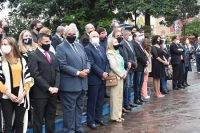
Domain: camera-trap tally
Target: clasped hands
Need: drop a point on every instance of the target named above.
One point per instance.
(84, 73)
(14, 98)
(53, 90)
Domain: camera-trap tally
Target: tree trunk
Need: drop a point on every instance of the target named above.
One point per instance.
(147, 19)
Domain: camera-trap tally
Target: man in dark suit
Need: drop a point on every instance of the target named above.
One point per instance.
(142, 62)
(131, 65)
(85, 37)
(96, 80)
(74, 68)
(45, 71)
(176, 58)
(57, 38)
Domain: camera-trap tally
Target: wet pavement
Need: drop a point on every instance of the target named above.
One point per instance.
(177, 112)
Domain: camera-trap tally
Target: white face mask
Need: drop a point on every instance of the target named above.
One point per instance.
(130, 38)
(177, 41)
(187, 41)
(6, 49)
(140, 38)
(95, 40)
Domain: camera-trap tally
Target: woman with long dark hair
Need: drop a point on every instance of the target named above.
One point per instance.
(158, 62)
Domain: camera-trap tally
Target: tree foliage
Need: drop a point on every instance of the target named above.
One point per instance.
(191, 28)
(99, 12)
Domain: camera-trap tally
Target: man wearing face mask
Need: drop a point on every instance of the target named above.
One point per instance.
(142, 62)
(176, 58)
(74, 68)
(130, 66)
(35, 26)
(96, 80)
(57, 38)
(85, 40)
(45, 71)
(102, 36)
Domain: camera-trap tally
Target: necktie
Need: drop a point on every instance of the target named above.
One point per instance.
(75, 49)
(47, 56)
(99, 51)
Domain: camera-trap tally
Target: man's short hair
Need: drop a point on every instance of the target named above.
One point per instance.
(173, 38)
(34, 23)
(41, 35)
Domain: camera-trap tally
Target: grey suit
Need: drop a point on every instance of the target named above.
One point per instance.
(72, 87)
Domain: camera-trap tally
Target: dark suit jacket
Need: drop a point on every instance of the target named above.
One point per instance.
(175, 53)
(85, 39)
(70, 63)
(34, 36)
(124, 54)
(55, 41)
(99, 64)
(131, 53)
(45, 74)
(141, 57)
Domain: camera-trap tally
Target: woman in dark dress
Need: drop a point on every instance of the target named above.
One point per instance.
(158, 62)
(188, 52)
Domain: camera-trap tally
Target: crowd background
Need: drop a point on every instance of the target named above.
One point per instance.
(67, 66)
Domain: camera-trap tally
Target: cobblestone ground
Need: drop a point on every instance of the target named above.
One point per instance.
(177, 112)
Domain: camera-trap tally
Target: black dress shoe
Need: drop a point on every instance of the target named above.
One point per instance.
(187, 84)
(92, 126)
(176, 88)
(101, 123)
(128, 108)
(141, 100)
(81, 132)
(180, 86)
(138, 102)
(133, 105)
(165, 92)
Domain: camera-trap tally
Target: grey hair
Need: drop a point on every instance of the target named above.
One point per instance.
(88, 25)
(59, 29)
(125, 32)
(69, 28)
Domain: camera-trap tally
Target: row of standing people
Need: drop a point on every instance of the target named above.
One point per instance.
(75, 70)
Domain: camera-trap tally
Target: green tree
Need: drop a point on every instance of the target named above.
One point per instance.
(99, 12)
(191, 28)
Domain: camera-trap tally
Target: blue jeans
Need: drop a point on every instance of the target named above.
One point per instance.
(163, 84)
(138, 81)
(198, 62)
(128, 89)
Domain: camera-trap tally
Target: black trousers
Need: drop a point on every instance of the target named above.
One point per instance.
(175, 77)
(181, 73)
(1, 121)
(8, 108)
(95, 102)
(44, 108)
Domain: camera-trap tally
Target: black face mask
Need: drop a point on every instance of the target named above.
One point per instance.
(132, 33)
(27, 41)
(71, 39)
(45, 47)
(1, 36)
(158, 41)
(38, 29)
(116, 47)
(119, 39)
(6, 29)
